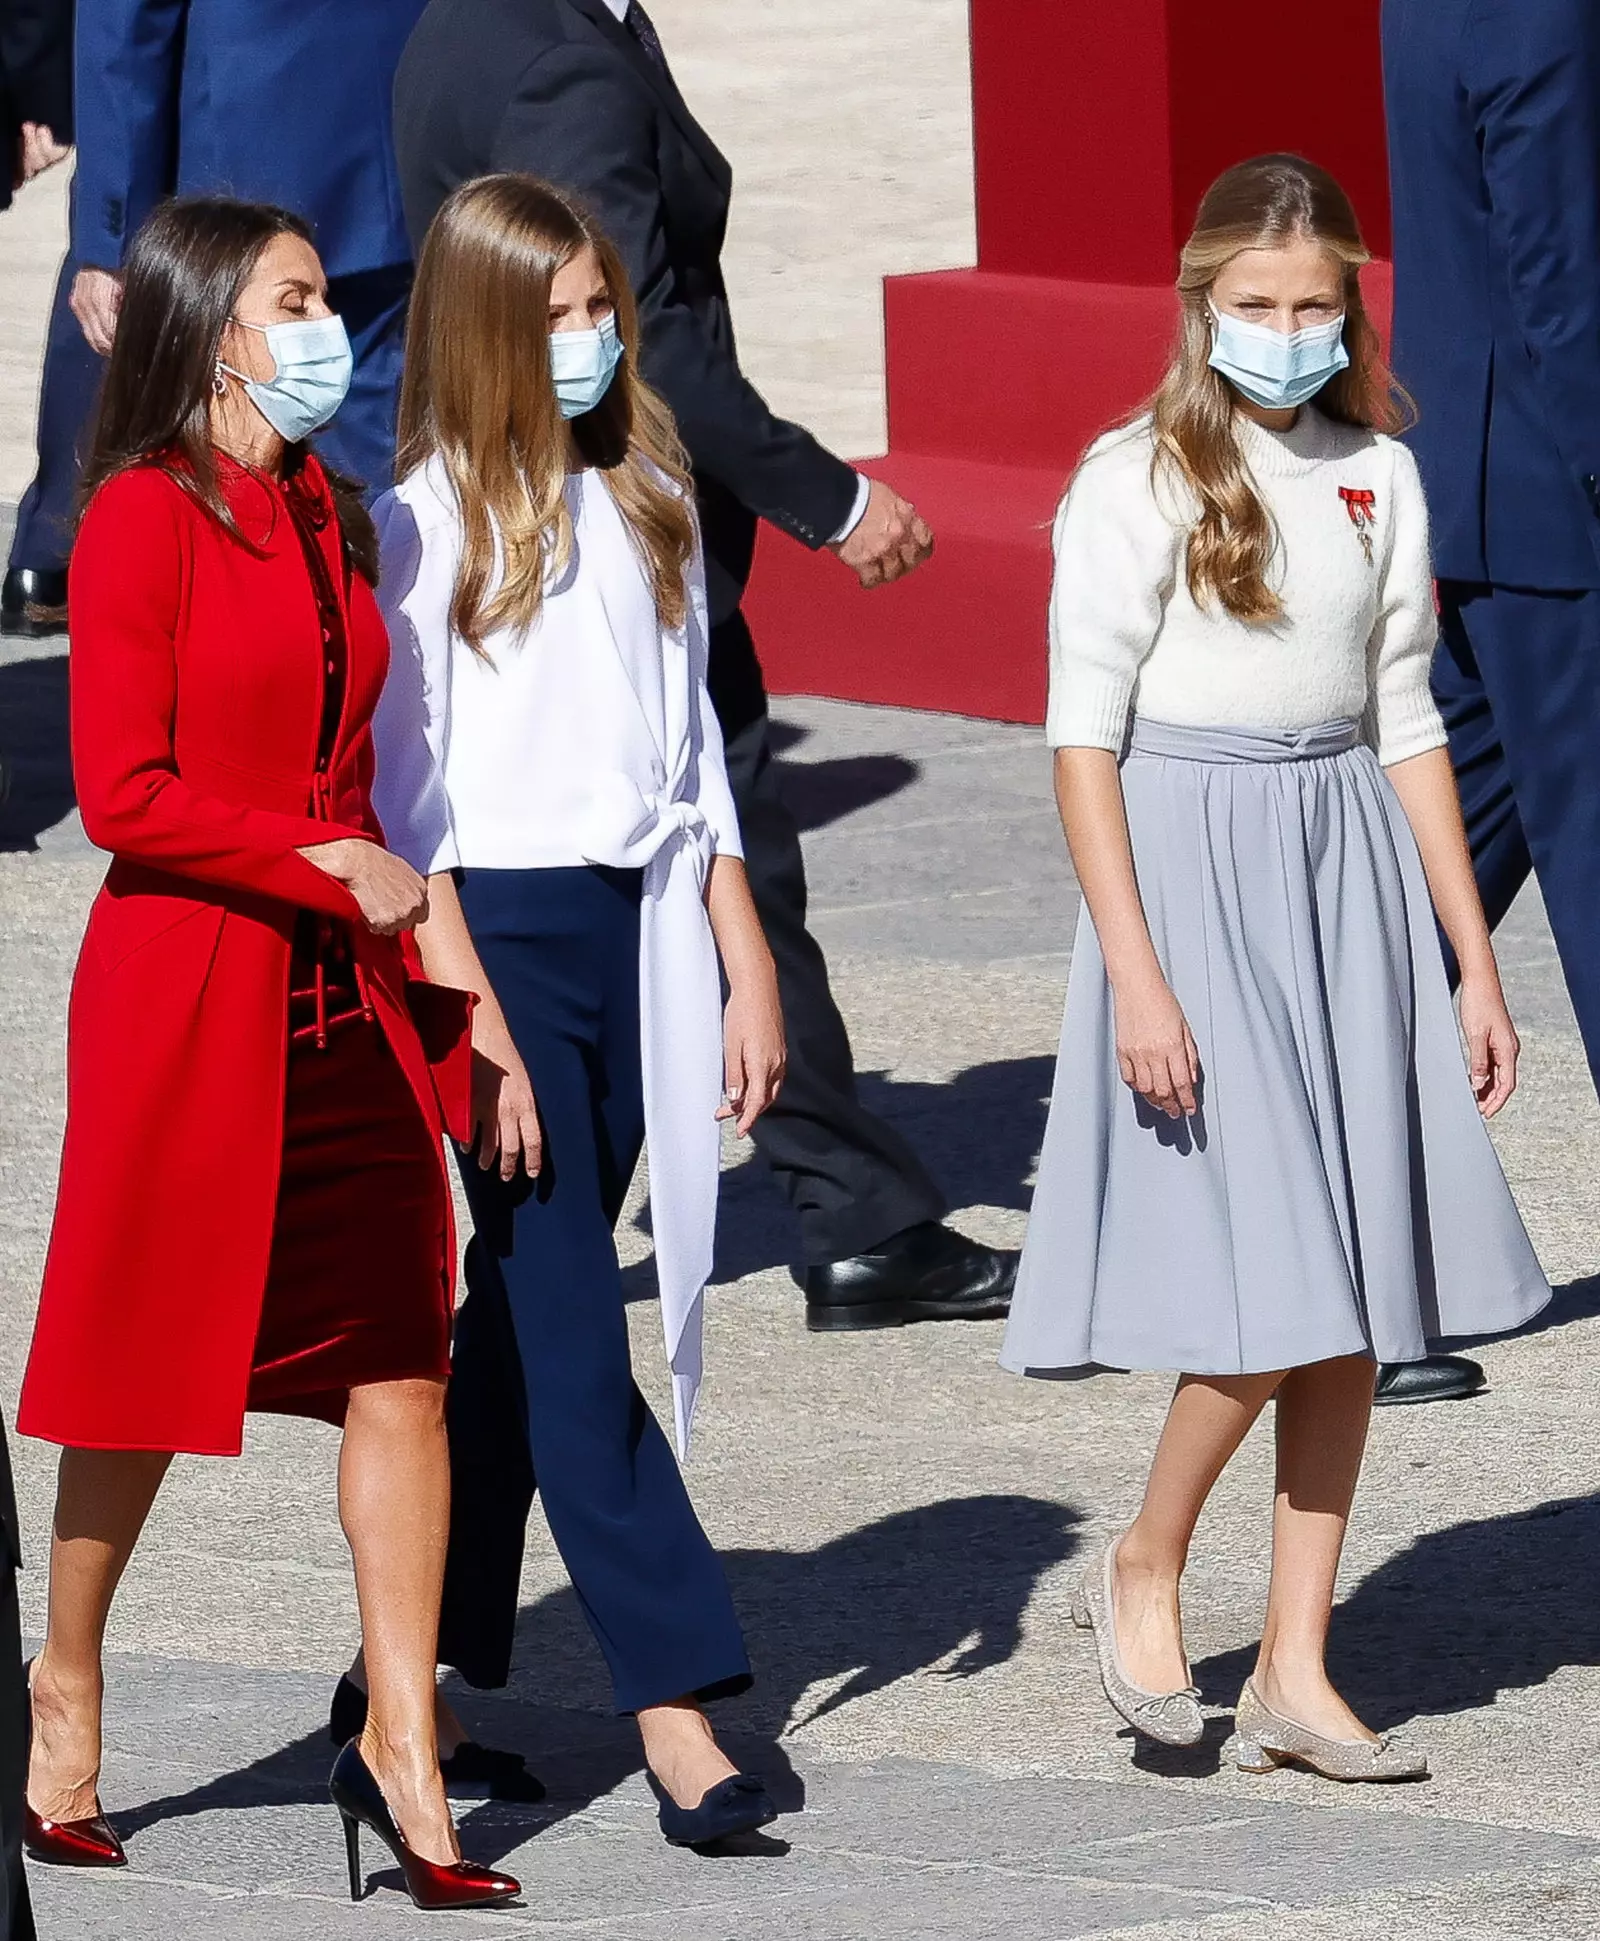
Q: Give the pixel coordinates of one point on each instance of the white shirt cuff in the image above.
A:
(857, 512)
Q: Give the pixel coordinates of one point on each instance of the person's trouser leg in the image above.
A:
(1537, 656)
(561, 949)
(360, 442)
(69, 392)
(851, 1178)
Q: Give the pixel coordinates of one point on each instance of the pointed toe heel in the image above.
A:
(431, 1884)
(71, 1843)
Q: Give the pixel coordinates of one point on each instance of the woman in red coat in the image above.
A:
(253, 1211)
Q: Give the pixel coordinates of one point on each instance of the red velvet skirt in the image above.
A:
(356, 1287)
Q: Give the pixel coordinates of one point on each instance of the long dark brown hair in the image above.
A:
(478, 396)
(1266, 203)
(185, 270)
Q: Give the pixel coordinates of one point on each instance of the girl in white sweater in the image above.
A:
(1265, 1163)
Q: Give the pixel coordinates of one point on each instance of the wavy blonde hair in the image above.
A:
(478, 395)
(1267, 203)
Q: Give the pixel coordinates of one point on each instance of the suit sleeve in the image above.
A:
(129, 67)
(576, 123)
(36, 62)
(127, 574)
(1533, 77)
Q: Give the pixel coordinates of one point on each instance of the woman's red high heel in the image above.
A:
(71, 1843)
(431, 1885)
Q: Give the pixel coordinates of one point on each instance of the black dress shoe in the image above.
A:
(738, 1805)
(1441, 1378)
(33, 604)
(504, 1773)
(927, 1273)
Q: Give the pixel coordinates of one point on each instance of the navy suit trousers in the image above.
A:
(1517, 678)
(541, 1386)
(67, 397)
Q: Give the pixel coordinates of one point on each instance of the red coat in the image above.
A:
(197, 670)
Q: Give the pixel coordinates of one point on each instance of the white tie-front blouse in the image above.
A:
(588, 738)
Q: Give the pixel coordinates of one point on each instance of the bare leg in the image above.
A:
(394, 1501)
(1209, 1417)
(1323, 1411)
(102, 1499)
(682, 1751)
(451, 1733)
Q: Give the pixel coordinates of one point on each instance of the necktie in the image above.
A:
(643, 29)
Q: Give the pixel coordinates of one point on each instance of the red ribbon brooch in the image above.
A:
(1363, 510)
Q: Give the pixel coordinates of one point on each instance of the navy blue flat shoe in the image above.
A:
(736, 1805)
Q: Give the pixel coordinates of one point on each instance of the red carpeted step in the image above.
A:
(966, 634)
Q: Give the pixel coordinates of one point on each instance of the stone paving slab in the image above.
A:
(230, 1834)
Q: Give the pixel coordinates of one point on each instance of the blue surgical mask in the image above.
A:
(314, 363)
(1273, 368)
(582, 364)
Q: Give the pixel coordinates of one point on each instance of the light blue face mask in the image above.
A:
(582, 365)
(1273, 368)
(314, 363)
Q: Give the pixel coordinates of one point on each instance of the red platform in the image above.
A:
(1098, 128)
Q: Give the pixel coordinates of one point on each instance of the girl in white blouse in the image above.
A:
(1265, 1164)
(547, 756)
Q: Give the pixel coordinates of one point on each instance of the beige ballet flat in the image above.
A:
(1263, 1741)
(1170, 1718)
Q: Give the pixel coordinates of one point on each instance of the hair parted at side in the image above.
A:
(478, 395)
(182, 279)
(1267, 203)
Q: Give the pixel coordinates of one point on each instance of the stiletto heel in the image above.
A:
(352, 1853)
(67, 1843)
(430, 1883)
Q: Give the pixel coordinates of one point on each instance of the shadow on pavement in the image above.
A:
(979, 1135)
(938, 1591)
(820, 793)
(34, 749)
(1496, 1605)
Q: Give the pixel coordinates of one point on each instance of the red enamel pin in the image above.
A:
(1363, 510)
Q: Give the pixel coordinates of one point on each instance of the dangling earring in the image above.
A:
(219, 383)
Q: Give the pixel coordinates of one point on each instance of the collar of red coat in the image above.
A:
(257, 500)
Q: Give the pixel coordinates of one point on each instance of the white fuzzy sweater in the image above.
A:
(1356, 637)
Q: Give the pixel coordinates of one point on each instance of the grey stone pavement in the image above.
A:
(901, 1521)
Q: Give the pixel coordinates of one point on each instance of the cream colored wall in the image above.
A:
(849, 128)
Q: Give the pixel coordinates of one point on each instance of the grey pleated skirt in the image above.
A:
(1337, 1192)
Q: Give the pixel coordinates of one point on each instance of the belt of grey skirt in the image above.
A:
(1337, 1192)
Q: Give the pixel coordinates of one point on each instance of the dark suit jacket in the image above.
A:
(559, 89)
(35, 74)
(1494, 145)
(284, 101)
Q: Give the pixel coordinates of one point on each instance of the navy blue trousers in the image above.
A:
(1517, 679)
(68, 394)
(359, 442)
(541, 1386)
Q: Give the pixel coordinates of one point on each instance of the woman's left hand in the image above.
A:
(754, 1054)
(1492, 1043)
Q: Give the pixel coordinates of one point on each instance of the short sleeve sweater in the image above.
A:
(1351, 566)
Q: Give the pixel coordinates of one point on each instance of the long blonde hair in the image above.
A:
(1266, 203)
(478, 395)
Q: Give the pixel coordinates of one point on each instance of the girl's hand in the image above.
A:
(505, 1114)
(754, 1053)
(392, 895)
(1492, 1043)
(1155, 1050)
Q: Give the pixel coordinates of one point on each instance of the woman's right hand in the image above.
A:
(505, 1114)
(1155, 1049)
(392, 896)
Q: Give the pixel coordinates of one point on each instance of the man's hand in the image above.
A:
(37, 150)
(890, 540)
(96, 299)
